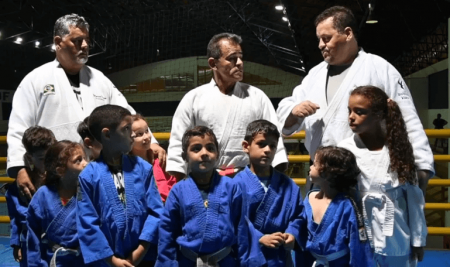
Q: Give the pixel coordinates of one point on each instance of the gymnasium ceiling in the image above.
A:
(411, 34)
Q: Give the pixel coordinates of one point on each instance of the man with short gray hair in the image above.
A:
(59, 95)
(227, 106)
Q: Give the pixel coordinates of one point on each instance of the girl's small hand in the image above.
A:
(289, 241)
(17, 254)
(272, 241)
(417, 253)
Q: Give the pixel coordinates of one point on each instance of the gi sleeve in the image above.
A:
(269, 113)
(249, 251)
(12, 200)
(417, 222)
(154, 210)
(34, 246)
(396, 89)
(23, 115)
(296, 217)
(93, 242)
(117, 98)
(182, 121)
(287, 104)
(169, 230)
(360, 252)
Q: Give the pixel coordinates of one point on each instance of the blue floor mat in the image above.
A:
(436, 258)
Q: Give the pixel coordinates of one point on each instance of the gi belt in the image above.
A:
(210, 260)
(58, 250)
(325, 259)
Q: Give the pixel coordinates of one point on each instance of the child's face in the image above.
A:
(261, 150)
(37, 159)
(143, 136)
(201, 154)
(76, 163)
(314, 170)
(360, 117)
(123, 137)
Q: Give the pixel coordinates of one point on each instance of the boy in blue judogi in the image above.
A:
(118, 201)
(336, 234)
(202, 224)
(36, 141)
(273, 200)
(52, 233)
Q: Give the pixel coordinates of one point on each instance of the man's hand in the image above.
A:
(17, 254)
(138, 254)
(178, 175)
(305, 109)
(272, 241)
(289, 241)
(161, 154)
(118, 262)
(302, 110)
(417, 253)
(26, 187)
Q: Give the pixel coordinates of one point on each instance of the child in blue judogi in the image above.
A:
(273, 200)
(336, 234)
(202, 224)
(52, 234)
(119, 205)
(36, 140)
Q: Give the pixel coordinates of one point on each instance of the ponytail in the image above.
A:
(400, 149)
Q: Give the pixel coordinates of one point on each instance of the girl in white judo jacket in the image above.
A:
(391, 201)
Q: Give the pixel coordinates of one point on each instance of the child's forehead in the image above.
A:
(201, 139)
(264, 136)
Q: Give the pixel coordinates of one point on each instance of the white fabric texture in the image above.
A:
(393, 212)
(329, 125)
(228, 117)
(46, 98)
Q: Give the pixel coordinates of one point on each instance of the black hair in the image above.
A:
(342, 18)
(261, 126)
(106, 116)
(37, 138)
(213, 49)
(83, 129)
(197, 131)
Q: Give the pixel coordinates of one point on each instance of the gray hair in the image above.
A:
(63, 23)
(213, 49)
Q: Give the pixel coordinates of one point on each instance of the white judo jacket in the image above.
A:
(329, 125)
(228, 117)
(46, 98)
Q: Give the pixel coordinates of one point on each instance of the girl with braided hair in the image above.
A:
(391, 201)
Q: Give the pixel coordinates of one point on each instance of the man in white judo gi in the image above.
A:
(59, 95)
(226, 106)
(319, 103)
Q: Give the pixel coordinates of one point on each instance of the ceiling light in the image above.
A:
(37, 43)
(285, 19)
(371, 18)
(18, 40)
(279, 7)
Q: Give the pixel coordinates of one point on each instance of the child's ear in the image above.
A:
(245, 145)
(88, 142)
(106, 133)
(60, 171)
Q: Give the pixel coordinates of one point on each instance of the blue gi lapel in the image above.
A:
(195, 202)
(326, 219)
(214, 205)
(111, 191)
(268, 201)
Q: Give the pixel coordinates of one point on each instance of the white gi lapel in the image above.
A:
(231, 118)
(87, 94)
(337, 101)
(63, 84)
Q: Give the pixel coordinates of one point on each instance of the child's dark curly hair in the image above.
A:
(338, 166)
(56, 157)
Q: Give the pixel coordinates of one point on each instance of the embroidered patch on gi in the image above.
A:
(49, 89)
(100, 97)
